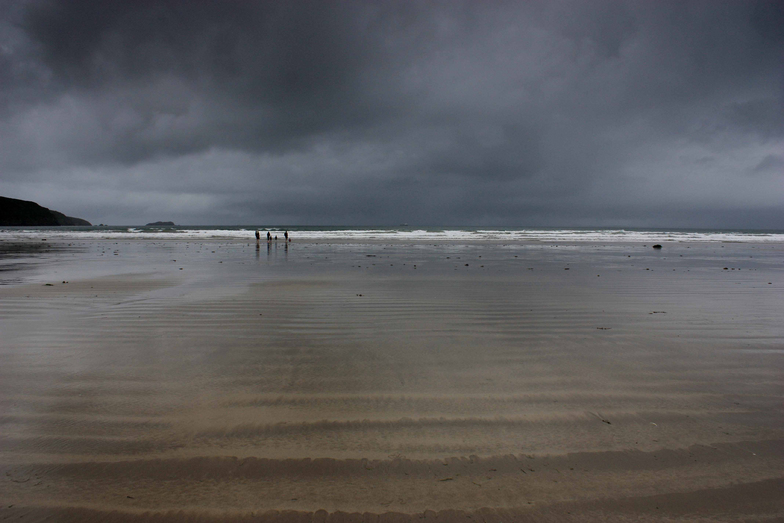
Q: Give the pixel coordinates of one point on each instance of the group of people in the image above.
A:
(269, 237)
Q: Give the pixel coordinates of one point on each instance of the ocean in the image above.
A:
(398, 233)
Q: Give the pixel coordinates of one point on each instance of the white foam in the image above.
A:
(397, 235)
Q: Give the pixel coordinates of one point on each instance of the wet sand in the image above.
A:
(188, 381)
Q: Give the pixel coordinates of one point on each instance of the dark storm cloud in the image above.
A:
(380, 112)
(264, 73)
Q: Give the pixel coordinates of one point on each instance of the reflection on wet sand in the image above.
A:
(393, 382)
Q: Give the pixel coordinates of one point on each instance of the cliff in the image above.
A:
(23, 213)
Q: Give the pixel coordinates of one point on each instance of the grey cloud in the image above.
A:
(359, 112)
(762, 116)
(772, 163)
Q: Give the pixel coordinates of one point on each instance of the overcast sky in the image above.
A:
(649, 113)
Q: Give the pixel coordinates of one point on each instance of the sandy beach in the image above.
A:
(379, 381)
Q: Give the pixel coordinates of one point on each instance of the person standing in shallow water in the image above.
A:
(286, 235)
(269, 237)
(258, 236)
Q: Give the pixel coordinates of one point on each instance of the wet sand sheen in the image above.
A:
(293, 385)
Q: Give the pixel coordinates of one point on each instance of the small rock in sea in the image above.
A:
(657, 246)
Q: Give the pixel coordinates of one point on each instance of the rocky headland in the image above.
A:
(22, 213)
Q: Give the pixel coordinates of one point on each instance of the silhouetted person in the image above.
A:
(258, 236)
(269, 237)
(286, 235)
